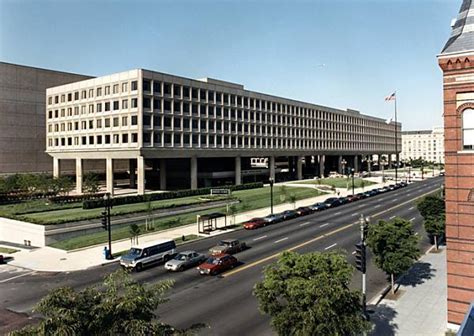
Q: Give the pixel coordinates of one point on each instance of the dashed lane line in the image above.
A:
(323, 225)
(305, 223)
(18, 276)
(330, 247)
(411, 220)
(258, 238)
(392, 217)
(280, 240)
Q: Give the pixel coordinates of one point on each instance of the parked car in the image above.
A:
(185, 260)
(391, 187)
(441, 173)
(403, 184)
(382, 190)
(319, 206)
(353, 198)
(140, 256)
(2, 259)
(228, 246)
(216, 264)
(332, 202)
(361, 195)
(289, 214)
(303, 211)
(275, 218)
(254, 223)
(343, 200)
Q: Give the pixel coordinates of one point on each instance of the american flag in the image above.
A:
(391, 97)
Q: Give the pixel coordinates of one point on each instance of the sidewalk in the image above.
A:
(421, 308)
(50, 259)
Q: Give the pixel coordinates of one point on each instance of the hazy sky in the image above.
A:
(344, 54)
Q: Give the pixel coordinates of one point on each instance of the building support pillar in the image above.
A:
(79, 173)
(132, 166)
(369, 164)
(322, 158)
(299, 168)
(194, 172)
(140, 175)
(162, 174)
(56, 167)
(109, 173)
(238, 170)
(271, 165)
(339, 165)
(356, 163)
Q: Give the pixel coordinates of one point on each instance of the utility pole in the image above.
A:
(361, 260)
(271, 194)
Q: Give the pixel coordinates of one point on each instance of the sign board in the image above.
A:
(220, 191)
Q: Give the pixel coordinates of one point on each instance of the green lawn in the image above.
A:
(8, 250)
(339, 182)
(76, 214)
(249, 200)
(34, 206)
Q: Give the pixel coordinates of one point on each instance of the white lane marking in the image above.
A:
(377, 206)
(411, 220)
(395, 199)
(354, 214)
(280, 240)
(416, 233)
(258, 238)
(305, 223)
(337, 213)
(408, 194)
(323, 225)
(361, 206)
(411, 208)
(354, 252)
(17, 276)
(381, 199)
(392, 217)
(330, 246)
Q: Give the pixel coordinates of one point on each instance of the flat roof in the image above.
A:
(153, 243)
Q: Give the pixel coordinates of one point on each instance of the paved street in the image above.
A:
(233, 310)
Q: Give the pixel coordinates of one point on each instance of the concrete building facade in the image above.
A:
(165, 125)
(425, 144)
(23, 115)
(457, 63)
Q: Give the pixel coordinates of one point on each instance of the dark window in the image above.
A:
(177, 140)
(185, 139)
(157, 87)
(157, 104)
(76, 96)
(194, 93)
(186, 108)
(203, 125)
(195, 123)
(107, 139)
(91, 140)
(134, 102)
(186, 92)
(177, 123)
(134, 120)
(177, 90)
(203, 140)
(167, 122)
(146, 102)
(177, 106)
(203, 94)
(146, 120)
(167, 105)
(134, 86)
(195, 139)
(146, 85)
(157, 121)
(124, 138)
(116, 105)
(167, 139)
(167, 88)
(134, 137)
(186, 124)
(69, 97)
(146, 137)
(107, 106)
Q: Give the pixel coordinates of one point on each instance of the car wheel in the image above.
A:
(139, 267)
(181, 268)
(212, 272)
(166, 258)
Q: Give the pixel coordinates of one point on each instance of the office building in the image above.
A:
(425, 144)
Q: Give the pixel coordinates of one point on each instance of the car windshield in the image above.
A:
(135, 251)
(181, 257)
(223, 243)
(212, 261)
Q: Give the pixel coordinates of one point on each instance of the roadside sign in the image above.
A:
(220, 192)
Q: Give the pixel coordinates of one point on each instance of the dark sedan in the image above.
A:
(319, 206)
(303, 211)
(332, 202)
(289, 214)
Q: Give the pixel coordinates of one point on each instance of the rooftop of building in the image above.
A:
(462, 35)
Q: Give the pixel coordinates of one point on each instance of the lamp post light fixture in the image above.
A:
(271, 194)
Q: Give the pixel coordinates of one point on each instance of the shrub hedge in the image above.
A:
(76, 198)
(8, 198)
(98, 203)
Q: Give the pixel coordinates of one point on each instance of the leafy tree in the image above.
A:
(283, 193)
(149, 208)
(363, 183)
(232, 212)
(135, 232)
(394, 246)
(62, 185)
(29, 183)
(91, 183)
(292, 200)
(123, 307)
(308, 294)
(432, 209)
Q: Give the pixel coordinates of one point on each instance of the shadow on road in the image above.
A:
(382, 320)
(417, 275)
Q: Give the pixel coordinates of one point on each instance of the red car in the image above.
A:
(303, 211)
(217, 264)
(255, 223)
(352, 198)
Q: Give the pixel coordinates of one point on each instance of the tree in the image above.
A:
(91, 183)
(233, 212)
(135, 232)
(62, 185)
(432, 209)
(308, 294)
(394, 246)
(363, 183)
(292, 200)
(149, 208)
(123, 307)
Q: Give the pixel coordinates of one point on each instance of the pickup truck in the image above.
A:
(228, 246)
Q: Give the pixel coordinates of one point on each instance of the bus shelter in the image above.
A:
(208, 223)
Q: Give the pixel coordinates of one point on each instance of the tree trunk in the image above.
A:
(436, 242)
(393, 283)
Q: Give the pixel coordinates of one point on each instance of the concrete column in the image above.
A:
(339, 164)
(299, 168)
(56, 167)
(238, 170)
(194, 170)
(162, 174)
(369, 164)
(389, 161)
(109, 172)
(79, 173)
(140, 175)
(133, 175)
(291, 165)
(322, 158)
(356, 163)
(271, 165)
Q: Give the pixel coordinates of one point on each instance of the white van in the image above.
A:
(143, 255)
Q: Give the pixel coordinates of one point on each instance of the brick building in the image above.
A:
(457, 63)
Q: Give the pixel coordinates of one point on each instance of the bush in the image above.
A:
(75, 198)
(98, 203)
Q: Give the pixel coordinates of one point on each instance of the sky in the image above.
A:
(337, 53)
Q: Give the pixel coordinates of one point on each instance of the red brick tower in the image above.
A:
(457, 62)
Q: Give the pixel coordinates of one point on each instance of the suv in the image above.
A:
(228, 246)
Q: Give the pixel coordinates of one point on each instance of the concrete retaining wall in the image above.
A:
(18, 232)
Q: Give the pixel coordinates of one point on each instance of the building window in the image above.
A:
(99, 107)
(134, 137)
(99, 92)
(124, 104)
(50, 100)
(124, 87)
(468, 128)
(134, 86)
(146, 85)
(107, 106)
(115, 88)
(116, 105)
(124, 121)
(91, 93)
(125, 138)
(134, 102)
(107, 90)
(116, 122)
(134, 120)
(107, 122)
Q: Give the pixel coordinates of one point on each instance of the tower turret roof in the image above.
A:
(462, 35)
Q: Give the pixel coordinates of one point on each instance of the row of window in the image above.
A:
(106, 139)
(92, 108)
(94, 124)
(91, 93)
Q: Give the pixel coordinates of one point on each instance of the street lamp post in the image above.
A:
(271, 194)
(108, 206)
(352, 173)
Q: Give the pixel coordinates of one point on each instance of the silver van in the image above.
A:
(143, 255)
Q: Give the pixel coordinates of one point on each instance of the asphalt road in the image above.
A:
(225, 303)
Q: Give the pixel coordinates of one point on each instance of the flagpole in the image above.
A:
(396, 141)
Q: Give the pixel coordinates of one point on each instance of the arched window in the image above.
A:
(468, 128)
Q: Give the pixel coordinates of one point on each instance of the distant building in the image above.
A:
(457, 62)
(425, 144)
(23, 116)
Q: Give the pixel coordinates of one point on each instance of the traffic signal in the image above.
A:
(104, 220)
(360, 257)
